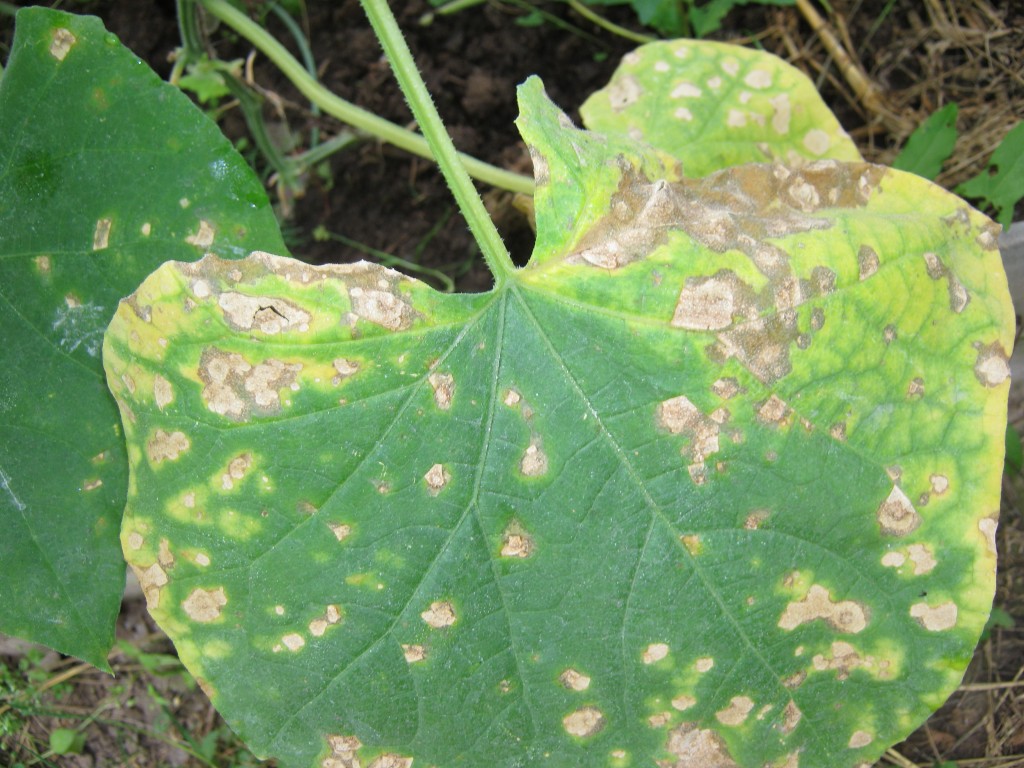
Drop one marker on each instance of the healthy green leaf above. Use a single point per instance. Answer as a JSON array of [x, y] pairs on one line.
[[707, 18], [713, 481], [713, 105], [1001, 184], [66, 741], [105, 172], [931, 145]]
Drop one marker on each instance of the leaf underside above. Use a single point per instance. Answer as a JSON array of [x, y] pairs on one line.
[[713, 481], [105, 173]]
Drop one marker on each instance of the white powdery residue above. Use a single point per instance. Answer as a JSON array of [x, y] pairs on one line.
[[5, 483]]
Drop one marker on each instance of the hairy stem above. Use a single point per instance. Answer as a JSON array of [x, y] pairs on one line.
[[337, 107], [423, 109]]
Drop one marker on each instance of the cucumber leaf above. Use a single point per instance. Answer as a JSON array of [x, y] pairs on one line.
[[105, 173], [713, 481]]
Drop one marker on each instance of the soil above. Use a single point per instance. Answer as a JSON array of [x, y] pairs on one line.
[[920, 55]]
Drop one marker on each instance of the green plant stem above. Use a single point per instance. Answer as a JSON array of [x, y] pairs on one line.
[[423, 109], [611, 26], [338, 108]]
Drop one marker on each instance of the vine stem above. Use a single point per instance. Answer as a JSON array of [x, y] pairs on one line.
[[423, 109], [347, 112]]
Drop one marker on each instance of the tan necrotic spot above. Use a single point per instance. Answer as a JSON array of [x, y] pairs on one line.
[[654, 652], [937, 619], [737, 712], [443, 385], [992, 367], [391, 760], [202, 559], [203, 238], [382, 308], [151, 579], [988, 527], [237, 469], [164, 446], [867, 261], [726, 388], [659, 720], [893, 559], [92, 485], [795, 680], [710, 303], [816, 141], [511, 398], [341, 530], [916, 387], [164, 556], [267, 314], [515, 542], [344, 368], [623, 92], [101, 235], [584, 722], [844, 616], [574, 680], [860, 739], [163, 394], [758, 79], [343, 752], [414, 653], [135, 540], [686, 91], [43, 264], [844, 659], [791, 717], [204, 605], [896, 515], [773, 411], [534, 461], [683, 702], [330, 617], [939, 483], [922, 558], [440, 614], [696, 747], [293, 641], [234, 387], [62, 42], [437, 478], [755, 519], [704, 664]]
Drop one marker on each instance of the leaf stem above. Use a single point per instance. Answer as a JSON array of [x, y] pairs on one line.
[[347, 112], [423, 109]]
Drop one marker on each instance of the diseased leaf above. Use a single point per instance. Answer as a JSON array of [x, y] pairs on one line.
[[931, 145], [713, 481], [1001, 184], [713, 105], [105, 172]]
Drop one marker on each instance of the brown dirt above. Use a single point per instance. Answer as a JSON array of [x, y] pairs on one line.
[[918, 54]]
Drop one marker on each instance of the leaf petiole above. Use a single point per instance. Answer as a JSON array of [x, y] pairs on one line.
[[423, 109]]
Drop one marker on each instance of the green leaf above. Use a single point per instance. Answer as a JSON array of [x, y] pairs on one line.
[[105, 172], [1014, 450], [931, 145], [712, 481], [1001, 184], [707, 18], [713, 105], [65, 741]]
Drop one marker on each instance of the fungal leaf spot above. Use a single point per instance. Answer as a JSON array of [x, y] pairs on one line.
[[702, 485]]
